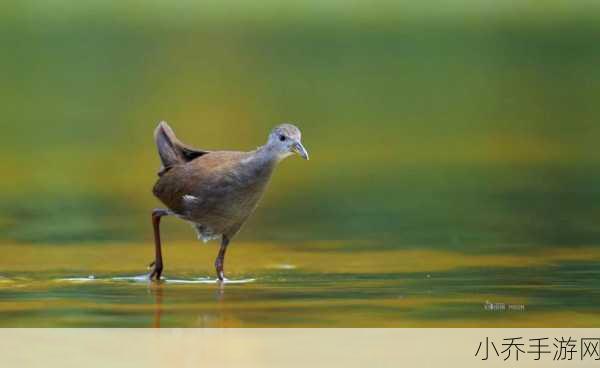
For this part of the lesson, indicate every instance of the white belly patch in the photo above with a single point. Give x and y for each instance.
(205, 233)
(190, 199)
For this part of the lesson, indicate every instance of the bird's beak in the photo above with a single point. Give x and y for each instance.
(299, 149)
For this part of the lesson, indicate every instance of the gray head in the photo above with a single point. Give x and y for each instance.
(285, 139)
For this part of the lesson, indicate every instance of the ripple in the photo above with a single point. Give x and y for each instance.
(284, 266)
(207, 280)
(138, 278)
(144, 278)
(78, 279)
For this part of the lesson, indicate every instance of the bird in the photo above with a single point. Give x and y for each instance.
(215, 191)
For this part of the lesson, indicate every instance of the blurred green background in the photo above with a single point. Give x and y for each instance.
(450, 123)
(460, 125)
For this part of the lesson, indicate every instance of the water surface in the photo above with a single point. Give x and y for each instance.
(274, 285)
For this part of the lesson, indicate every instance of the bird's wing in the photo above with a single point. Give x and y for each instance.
(171, 150)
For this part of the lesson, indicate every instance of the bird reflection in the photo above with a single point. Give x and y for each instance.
(211, 317)
(156, 289)
(220, 292)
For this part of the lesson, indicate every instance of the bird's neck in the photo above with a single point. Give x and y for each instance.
(268, 155)
(259, 164)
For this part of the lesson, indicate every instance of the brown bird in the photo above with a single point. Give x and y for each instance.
(216, 191)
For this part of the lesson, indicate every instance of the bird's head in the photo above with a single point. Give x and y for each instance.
(285, 139)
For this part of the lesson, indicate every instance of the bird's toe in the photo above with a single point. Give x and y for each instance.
(155, 271)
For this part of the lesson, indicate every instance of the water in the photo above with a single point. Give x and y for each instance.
(383, 288)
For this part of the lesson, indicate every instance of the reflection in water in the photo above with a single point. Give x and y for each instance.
(220, 292)
(156, 289)
(215, 317)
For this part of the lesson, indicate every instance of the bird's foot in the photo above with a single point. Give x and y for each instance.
(219, 269)
(155, 270)
(221, 276)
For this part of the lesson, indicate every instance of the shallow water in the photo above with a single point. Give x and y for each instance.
(280, 286)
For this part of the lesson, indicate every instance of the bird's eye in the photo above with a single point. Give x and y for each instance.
(282, 138)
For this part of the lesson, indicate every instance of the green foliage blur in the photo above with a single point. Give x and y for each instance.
(450, 124)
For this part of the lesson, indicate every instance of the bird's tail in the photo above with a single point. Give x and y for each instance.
(167, 143)
(171, 150)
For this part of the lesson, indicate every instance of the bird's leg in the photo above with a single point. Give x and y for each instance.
(221, 258)
(157, 265)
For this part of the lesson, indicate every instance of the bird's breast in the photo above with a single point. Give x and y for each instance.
(232, 193)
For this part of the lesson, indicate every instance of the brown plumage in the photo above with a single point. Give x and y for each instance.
(216, 191)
